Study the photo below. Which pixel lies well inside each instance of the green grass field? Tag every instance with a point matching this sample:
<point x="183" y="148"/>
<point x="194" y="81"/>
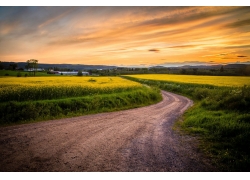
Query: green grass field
<point x="220" y="116"/>
<point x="6" y="73"/>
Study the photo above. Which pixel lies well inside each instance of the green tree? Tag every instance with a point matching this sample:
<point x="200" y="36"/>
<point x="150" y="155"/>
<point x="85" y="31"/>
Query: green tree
<point x="32" y="63"/>
<point x="1" y="65"/>
<point x="19" y="74"/>
<point x="183" y="71"/>
<point x="246" y="70"/>
<point x="79" y="73"/>
<point x="12" y="66"/>
<point x="221" y="69"/>
<point x="195" y="70"/>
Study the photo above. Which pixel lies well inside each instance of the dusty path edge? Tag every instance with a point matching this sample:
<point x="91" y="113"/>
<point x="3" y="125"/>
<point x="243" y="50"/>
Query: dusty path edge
<point x="153" y="135"/>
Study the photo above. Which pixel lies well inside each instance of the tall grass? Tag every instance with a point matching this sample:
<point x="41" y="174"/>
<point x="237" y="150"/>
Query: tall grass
<point x="220" y="116"/>
<point x="18" y="112"/>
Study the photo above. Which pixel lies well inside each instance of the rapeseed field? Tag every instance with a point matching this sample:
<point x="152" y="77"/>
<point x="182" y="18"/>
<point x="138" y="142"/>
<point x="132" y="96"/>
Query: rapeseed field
<point x="31" y="99"/>
<point x="42" y="88"/>
<point x="210" y="80"/>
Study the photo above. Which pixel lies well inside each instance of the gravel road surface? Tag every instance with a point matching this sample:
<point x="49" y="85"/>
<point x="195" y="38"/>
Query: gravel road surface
<point x="139" y="139"/>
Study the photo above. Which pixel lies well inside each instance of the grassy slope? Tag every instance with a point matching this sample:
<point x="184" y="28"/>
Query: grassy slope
<point x="14" y="73"/>
<point x="220" y="117"/>
<point x="35" y="98"/>
<point x="13" y="112"/>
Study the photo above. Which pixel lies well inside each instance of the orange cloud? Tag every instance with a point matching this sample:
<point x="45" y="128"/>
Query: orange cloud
<point x="124" y="35"/>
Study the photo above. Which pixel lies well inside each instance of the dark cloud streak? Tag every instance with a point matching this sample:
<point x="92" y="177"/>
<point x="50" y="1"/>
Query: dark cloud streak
<point x="238" y="24"/>
<point x="180" y="18"/>
<point x="154" y="50"/>
<point x="185" y="46"/>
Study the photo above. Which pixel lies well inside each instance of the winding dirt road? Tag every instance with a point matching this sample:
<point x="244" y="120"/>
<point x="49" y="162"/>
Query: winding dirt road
<point x="139" y="139"/>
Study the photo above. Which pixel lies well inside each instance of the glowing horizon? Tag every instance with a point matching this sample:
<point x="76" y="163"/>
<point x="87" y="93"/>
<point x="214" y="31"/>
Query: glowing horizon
<point x="129" y="36"/>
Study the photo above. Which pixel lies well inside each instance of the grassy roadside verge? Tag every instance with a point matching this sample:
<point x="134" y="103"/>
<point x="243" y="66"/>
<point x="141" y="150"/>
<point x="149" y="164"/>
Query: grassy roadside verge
<point x="15" y="73"/>
<point x="13" y="112"/>
<point x="220" y="117"/>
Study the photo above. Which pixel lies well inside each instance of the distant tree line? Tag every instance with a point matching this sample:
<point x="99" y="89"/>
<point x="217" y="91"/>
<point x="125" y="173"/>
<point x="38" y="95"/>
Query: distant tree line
<point x="11" y="66"/>
<point x="244" y="71"/>
<point x="219" y="71"/>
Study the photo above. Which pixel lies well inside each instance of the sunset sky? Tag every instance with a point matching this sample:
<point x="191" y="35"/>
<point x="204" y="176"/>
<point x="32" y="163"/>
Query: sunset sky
<point x="128" y="36"/>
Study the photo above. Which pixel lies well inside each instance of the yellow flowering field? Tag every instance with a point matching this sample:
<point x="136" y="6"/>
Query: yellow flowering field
<point x="41" y="88"/>
<point x="211" y="80"/>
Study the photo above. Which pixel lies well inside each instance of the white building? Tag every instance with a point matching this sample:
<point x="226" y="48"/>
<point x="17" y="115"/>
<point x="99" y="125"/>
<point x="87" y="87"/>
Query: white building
<point x="70" y="73"/>
<point x="34" y="69"/>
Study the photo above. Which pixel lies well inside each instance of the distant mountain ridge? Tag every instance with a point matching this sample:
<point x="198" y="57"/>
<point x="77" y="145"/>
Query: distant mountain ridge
<point x="104" y="67"/>
<point x="61" y="66"/>
<point x="227" y="66"/>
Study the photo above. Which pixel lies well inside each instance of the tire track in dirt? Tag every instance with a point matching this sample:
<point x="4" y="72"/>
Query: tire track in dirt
<point x="138" y="139"/>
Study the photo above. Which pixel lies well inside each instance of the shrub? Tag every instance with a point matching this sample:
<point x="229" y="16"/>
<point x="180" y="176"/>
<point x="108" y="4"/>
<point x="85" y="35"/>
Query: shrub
<point x="19" y="74"/>
<point x="91" y="80"/>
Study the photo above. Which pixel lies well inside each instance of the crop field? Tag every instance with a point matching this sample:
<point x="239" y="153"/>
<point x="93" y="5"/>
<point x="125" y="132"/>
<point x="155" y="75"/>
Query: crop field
<point x="210" y="80"/>
<point x="42" y="88"/>
<point x="220" y="115"/>
<point x="25" y="99"/>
